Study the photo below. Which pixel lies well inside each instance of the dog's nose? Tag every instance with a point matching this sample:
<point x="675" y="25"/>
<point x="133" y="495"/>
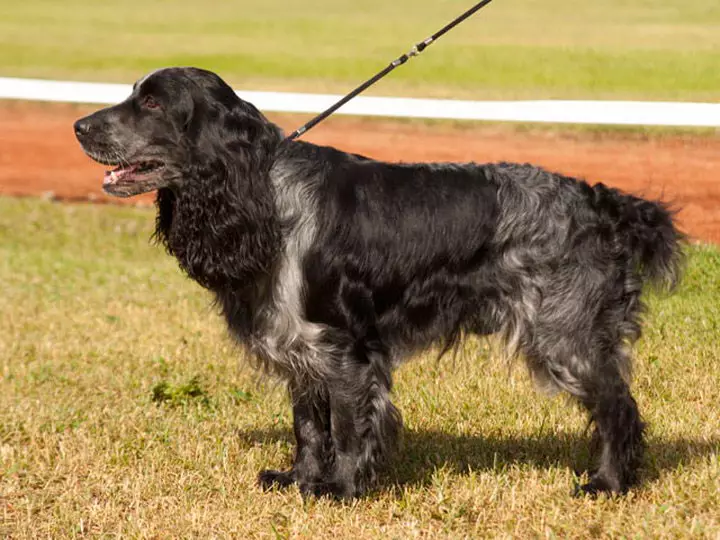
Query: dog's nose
<point x="82" y="127"/>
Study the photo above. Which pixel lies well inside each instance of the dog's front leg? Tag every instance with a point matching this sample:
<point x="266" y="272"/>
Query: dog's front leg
<point x="311" y="425"/>
<point x="364" y="427"/>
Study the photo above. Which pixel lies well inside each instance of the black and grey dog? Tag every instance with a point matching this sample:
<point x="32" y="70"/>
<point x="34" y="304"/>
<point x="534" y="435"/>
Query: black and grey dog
<point x="333" y="268"/>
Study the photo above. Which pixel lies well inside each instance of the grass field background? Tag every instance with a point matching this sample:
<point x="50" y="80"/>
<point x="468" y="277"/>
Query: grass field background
<point x="664" y="49"/>
<point x="125" y="409"/>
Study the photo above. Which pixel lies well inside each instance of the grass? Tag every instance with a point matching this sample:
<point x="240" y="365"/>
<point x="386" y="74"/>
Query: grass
<point x="666" y="49"/>
<point x="126" y="411"/>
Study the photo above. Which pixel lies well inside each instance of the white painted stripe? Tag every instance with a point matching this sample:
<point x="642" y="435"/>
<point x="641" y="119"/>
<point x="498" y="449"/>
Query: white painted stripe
<point x="577" y="112"/>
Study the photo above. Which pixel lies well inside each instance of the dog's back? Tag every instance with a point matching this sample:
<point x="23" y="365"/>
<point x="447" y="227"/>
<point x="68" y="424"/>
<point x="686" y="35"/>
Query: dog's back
<point x="437" y="249"/>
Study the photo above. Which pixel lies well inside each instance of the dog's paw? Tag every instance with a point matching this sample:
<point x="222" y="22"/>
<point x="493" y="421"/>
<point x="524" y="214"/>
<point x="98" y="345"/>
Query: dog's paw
<point x="276" y="479"/>
<point x="332" y="490"/>
<point x="598" y="484"/>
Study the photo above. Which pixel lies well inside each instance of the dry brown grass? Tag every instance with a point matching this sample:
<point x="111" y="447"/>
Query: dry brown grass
<point x="93" y="320"/>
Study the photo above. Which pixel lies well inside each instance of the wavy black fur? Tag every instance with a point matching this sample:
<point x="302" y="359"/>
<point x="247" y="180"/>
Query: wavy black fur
<point x="334" y="268"/>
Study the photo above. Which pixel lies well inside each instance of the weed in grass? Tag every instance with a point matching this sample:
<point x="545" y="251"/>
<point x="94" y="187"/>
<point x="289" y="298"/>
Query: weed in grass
<point x="240" y="396"/>
<point x="180" y="394"/>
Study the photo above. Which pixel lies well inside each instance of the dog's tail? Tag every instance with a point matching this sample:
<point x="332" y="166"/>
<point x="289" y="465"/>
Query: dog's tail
<point x="648" y="230"/>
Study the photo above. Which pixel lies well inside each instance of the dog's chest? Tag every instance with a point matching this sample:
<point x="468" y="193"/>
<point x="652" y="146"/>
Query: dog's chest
<point x="286" y="343"/>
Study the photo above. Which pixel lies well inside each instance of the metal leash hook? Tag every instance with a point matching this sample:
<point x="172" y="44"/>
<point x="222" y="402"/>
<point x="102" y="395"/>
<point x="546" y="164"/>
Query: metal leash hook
<point x="415" y="51"/>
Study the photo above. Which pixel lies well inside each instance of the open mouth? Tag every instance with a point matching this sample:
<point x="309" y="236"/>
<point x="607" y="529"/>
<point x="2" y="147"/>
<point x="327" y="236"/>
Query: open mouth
<point x="134" y="172"/>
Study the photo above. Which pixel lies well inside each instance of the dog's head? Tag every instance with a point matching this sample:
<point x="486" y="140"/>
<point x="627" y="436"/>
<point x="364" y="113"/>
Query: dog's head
<point x="173" y="118"/>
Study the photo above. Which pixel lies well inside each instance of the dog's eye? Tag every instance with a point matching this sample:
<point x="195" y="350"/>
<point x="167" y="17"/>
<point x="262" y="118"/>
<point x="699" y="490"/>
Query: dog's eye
<point x="149" y="103"/>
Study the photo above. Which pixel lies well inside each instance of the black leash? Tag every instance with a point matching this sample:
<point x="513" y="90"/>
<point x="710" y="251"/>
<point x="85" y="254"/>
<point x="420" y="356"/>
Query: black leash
<point x="416" y="50"/>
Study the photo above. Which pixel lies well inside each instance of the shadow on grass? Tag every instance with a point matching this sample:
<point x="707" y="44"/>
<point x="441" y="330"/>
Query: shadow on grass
<point x="423" y="452"/>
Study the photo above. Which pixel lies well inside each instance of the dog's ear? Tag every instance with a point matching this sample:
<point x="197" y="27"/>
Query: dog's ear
<point x="232" y="124"/>
<point x="234" y="148"/>
<point x="244" y="127"/>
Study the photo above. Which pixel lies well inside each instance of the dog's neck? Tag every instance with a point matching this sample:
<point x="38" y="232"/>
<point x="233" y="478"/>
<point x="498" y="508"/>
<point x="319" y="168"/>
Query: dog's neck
<point x="225" y="238"/>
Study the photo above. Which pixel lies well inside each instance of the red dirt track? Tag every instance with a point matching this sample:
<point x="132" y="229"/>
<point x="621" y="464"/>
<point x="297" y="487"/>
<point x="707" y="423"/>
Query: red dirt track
<point x="39" y="156"/>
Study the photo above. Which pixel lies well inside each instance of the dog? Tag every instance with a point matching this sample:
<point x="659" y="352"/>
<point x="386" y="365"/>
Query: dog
<point x="333" y="268"/>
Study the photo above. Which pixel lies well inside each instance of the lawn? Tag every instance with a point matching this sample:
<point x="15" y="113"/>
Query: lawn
<point x="662" y="49"/>
<point x="125" y="410"/>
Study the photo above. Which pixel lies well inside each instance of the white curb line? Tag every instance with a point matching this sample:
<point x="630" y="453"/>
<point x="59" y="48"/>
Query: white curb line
<point x="576" y="112"/>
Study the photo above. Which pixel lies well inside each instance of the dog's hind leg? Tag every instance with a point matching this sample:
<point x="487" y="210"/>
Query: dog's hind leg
<point x="311" y="425"/>
<point x="597" y="380"/>
<point x="619" y="433"/>
<point x="364" y="426"/>
<point x="619" y="428"/>
<point x="579" y="341"/>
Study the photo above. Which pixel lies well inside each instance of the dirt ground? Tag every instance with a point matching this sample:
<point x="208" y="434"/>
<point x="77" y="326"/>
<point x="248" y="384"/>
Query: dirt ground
<point x="40" y="157"/>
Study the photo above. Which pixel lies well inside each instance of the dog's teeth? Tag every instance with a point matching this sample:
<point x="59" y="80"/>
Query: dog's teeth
<point x="113" y="178"/>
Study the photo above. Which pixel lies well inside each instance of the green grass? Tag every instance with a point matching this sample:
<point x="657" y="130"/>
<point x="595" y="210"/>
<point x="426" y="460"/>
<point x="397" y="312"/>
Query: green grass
<point x="125" y="410"/>
<point x="666" y="49"/>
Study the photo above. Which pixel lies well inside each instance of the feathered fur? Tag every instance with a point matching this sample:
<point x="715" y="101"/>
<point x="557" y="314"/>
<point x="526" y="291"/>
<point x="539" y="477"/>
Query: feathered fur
<point x="333" y="268"/>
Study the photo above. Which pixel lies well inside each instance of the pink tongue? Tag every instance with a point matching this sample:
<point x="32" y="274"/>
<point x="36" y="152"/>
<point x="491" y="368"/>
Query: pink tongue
<point x="113" y="176"/>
